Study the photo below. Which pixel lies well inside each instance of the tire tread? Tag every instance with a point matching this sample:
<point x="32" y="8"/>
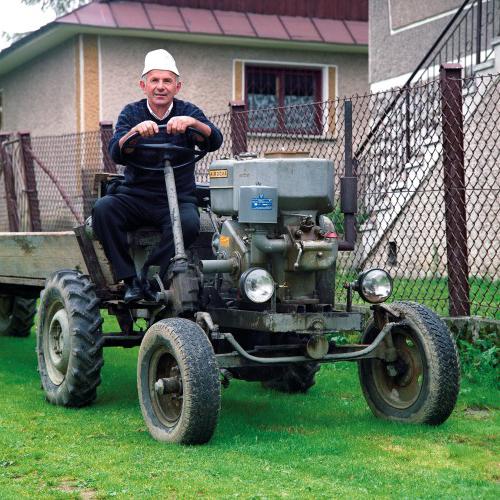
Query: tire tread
<point x="201" y="404"/>
<point x="79" y="387"/>
<point x="21" y="319"/>
<point x="443" y="368"/>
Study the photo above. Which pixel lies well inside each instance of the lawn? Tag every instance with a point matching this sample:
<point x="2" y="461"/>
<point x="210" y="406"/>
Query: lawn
<point x="322" y="445"/>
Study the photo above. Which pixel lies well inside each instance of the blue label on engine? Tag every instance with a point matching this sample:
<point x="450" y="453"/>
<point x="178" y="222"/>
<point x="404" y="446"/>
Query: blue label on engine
<point x="261" y="203"/>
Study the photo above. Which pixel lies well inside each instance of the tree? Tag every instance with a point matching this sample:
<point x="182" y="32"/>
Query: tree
<point x="59" y="6"/>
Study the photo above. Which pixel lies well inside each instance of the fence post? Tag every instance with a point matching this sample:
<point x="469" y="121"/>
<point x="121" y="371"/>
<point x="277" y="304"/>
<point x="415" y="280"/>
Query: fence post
<point x="10" y="187"/>
<point x="454" y="189"/>
<point x="106" y="130"/>
<point x="407" y="124"/>
<point x="239" y="127"/>
<point x="29" y="173"/>
<point x="479" y="20"/>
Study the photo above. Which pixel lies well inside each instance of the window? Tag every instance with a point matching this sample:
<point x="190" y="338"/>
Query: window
<point x="291" y="91"/>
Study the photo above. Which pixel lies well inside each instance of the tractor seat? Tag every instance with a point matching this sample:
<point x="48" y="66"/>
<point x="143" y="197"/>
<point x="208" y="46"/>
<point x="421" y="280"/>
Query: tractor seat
<point x="203" y="194"/>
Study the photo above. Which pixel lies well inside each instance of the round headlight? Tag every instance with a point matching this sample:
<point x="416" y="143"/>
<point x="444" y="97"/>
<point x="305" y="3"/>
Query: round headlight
<point x="374" y="285"/>
<point x="257" y="285"/>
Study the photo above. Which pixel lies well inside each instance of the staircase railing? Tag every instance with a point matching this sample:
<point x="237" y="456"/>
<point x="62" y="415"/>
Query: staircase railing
<point x="466" y="39"/>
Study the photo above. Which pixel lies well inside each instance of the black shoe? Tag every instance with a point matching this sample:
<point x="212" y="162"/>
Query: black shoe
<point x="133" y="292"/>
<point x="149" y="293"/>
<point x="147" y="290"/>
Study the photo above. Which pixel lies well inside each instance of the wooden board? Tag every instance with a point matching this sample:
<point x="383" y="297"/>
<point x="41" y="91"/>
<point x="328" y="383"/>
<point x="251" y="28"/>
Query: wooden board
<point x="36" y="255"/>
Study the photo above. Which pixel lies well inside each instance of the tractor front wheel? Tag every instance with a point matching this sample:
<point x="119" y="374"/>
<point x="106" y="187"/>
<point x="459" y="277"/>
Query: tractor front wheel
<point x="422" y="384"/>
<point x="178" y="382"/>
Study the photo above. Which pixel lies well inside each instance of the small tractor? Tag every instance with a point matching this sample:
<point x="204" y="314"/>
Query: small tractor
<point x="252" y="299"/>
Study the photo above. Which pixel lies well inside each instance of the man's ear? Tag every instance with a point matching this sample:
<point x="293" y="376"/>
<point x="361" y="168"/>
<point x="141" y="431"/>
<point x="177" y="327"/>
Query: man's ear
<point x="178" y="87"/>
<point x="142" y="84"/>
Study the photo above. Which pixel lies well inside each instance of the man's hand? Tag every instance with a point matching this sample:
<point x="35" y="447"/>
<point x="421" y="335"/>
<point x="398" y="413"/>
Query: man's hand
<point x="179" y="124"/>
<point x="144" y="129"/>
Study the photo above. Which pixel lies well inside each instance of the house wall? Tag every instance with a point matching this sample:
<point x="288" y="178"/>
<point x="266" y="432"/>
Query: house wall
<point x="207" y="72"/>
<point x="40" y="96"/>
<point x="401" y="32"/>
<point x="90" y="78"/>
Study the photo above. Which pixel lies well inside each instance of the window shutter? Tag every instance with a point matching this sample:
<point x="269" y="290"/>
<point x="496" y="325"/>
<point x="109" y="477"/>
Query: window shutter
<point x="238" y="94"/>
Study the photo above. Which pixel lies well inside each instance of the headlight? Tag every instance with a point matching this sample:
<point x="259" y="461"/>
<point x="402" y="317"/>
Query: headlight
<point x="374" y="285"/>
<point x="257" y="285"/>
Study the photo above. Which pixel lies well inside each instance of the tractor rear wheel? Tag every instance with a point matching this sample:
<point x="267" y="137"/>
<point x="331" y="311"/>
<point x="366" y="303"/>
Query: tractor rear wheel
<point x="16" y="315"/>
<point x="69" y="339"/>
<point x="422" y="384"/>
<point x="294" y="379"/>
<point x="178" y="382"/>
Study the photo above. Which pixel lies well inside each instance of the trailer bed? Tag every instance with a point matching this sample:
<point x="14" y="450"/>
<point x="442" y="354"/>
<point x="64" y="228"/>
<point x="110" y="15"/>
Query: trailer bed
<point x="28" y="258"/>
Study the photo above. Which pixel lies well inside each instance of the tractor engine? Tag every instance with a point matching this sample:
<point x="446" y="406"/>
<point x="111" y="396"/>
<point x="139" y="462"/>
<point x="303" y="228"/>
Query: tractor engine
<point x="273" y="240"/>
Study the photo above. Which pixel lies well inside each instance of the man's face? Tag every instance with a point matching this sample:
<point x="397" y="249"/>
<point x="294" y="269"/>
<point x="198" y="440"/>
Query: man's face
<point x="160" y="87"/>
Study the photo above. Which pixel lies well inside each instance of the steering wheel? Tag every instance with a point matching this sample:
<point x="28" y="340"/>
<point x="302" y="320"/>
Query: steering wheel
<point x="169" y="151"/>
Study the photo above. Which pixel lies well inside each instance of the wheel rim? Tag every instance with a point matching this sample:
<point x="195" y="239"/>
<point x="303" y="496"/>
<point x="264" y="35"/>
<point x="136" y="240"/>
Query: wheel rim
<point x="6" y="309"/>
<point x="167" y="407"/>
<point x="399" y="383"/>
<point x="56" y="343"/>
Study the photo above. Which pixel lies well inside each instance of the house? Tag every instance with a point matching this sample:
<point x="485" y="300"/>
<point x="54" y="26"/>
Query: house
<point x="85" y="66"/>
<point x="401" y="33"/>
<point x="417" y="156"/>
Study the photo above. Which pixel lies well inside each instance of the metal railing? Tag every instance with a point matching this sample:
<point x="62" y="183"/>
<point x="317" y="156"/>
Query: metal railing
<point x="466" y="40"/>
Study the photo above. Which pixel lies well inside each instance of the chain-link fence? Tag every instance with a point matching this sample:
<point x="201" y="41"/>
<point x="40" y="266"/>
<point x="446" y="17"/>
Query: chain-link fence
<point x="427" y="162"/>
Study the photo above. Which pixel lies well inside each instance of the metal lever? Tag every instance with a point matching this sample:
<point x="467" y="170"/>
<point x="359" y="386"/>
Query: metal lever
<point x="175" y="216"/>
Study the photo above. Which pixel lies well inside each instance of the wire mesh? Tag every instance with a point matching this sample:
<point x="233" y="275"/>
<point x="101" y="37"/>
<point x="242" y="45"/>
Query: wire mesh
<point x="408" y="205"/>
<point x="73" y="159"/>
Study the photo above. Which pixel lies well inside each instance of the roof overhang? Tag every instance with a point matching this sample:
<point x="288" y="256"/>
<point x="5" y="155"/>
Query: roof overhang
<point x="56" y="33"/>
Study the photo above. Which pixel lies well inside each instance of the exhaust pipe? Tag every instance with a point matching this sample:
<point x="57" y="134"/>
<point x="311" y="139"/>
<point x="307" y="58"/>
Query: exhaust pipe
<point x="348" y="186"/>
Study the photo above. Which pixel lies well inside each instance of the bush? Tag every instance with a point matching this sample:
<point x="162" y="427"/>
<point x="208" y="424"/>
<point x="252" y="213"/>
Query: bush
<point x="480" y="359"/>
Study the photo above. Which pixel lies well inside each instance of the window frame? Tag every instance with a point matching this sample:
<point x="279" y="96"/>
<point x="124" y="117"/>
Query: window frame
<point x="280" y="73"/>
<point x="329" y="91"/>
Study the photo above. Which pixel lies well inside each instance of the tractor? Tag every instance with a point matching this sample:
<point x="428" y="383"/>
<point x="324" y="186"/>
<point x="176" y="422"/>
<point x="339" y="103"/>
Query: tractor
<point x="251" y="299"/>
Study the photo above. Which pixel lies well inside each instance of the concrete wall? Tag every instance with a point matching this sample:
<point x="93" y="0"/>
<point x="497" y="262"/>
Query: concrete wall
<point x="40" y="96"/>
<point x="402" y="31"/>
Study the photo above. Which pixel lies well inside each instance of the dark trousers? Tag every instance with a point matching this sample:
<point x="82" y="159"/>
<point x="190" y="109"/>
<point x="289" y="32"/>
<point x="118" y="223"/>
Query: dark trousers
<point x="116" y="214"/>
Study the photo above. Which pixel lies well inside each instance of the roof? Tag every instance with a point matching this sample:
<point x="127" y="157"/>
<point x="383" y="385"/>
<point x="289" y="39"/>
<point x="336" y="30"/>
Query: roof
<point x="152" y="16"/>
<point x="128" y="18"/>
<point x="356" y="10"/>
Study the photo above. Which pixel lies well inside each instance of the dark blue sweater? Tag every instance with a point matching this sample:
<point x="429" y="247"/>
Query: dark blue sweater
<point x="146" y="181"/>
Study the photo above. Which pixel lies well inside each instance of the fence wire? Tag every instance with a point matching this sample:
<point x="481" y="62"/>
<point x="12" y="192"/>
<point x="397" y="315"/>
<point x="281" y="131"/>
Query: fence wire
<point x="412" y="206"/>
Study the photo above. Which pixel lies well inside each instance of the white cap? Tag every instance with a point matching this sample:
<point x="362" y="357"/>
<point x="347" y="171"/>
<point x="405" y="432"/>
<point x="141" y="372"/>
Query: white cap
<point x="159" y="59"/>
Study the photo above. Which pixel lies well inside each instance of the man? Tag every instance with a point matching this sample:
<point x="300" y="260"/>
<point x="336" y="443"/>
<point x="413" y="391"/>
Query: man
<point x="141" y="199"/>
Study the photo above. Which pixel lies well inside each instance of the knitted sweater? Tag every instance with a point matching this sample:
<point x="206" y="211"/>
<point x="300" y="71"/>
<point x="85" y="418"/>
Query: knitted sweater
<point x="147" y="181"/>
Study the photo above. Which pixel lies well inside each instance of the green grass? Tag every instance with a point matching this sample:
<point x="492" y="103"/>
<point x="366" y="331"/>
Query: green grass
<point x="325" y="444"/>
